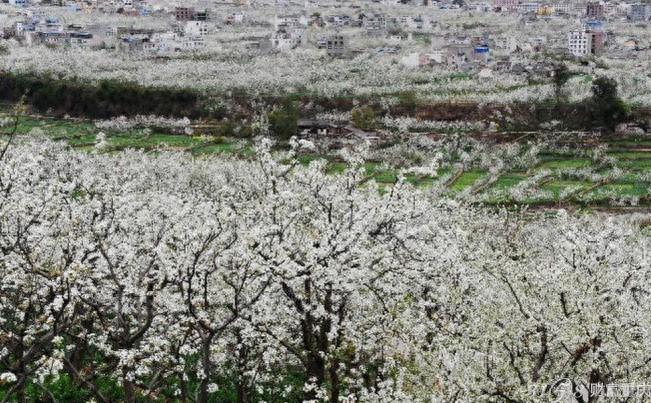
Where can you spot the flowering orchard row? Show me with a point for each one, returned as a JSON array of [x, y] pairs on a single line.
[[173, 278]]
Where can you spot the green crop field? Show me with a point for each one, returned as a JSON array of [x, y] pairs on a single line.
[[631, 156]]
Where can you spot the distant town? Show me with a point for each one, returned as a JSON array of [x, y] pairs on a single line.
[[588, 29]]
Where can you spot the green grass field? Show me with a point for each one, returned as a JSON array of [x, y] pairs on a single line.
[[633, 156]]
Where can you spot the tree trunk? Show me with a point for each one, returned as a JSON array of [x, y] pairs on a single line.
[[23, 372], [242, 381], [242, 391], [207, 369], [334, 382], [315, 370], [129, 388]]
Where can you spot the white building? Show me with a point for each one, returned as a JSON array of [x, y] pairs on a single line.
[[290, 21], [420, 59], [375, 22], [506, 43], [193, 43], [579, 43], [196, 29], [163, 42], [235, 18], [563, 8]]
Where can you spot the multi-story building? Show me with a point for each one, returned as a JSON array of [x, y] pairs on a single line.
[[201, 15], [640, 12], [505, 5], [598, 42], [184, 13], [193, 43], [190, 14], [335, 45], [545, 10], [196, 29], [290, 21], [579, 43], [562, 7], [527, 7], [339, 20], [595, 10], [375, 23], [586, 42]]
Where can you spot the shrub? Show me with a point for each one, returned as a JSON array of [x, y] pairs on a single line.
[[283, 120], [364, 118], [561, 75], [607, 109], [408, 101]]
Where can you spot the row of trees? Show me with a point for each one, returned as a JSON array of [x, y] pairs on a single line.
[[107, 99], [603, 110], [103, 100], [139, 278]]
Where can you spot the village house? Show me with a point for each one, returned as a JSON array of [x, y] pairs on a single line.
[[288, 38], [436, 56], [411, 22], [454, 39], [161, 43], [396, 36], [190, 14], [195, 29], [506, 43], [258, 42], [192, 43], [579, 42], [335, 45], [640, 12], [630, 45], [537, 43], [49, 31], [505, 5], [563, 8], [390, 50], [290, 21], [502, 64], [527, 7], [19, 3], [416, 59], [375, 24], [546, 10], [595, 10], [457, 54], [482, 55], [316, 20], [234, 18], [338, 20], [585, 42], [321, 128], [184, 13], [482, 7]]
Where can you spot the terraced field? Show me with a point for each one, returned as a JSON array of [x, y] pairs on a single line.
[[628, 178]]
